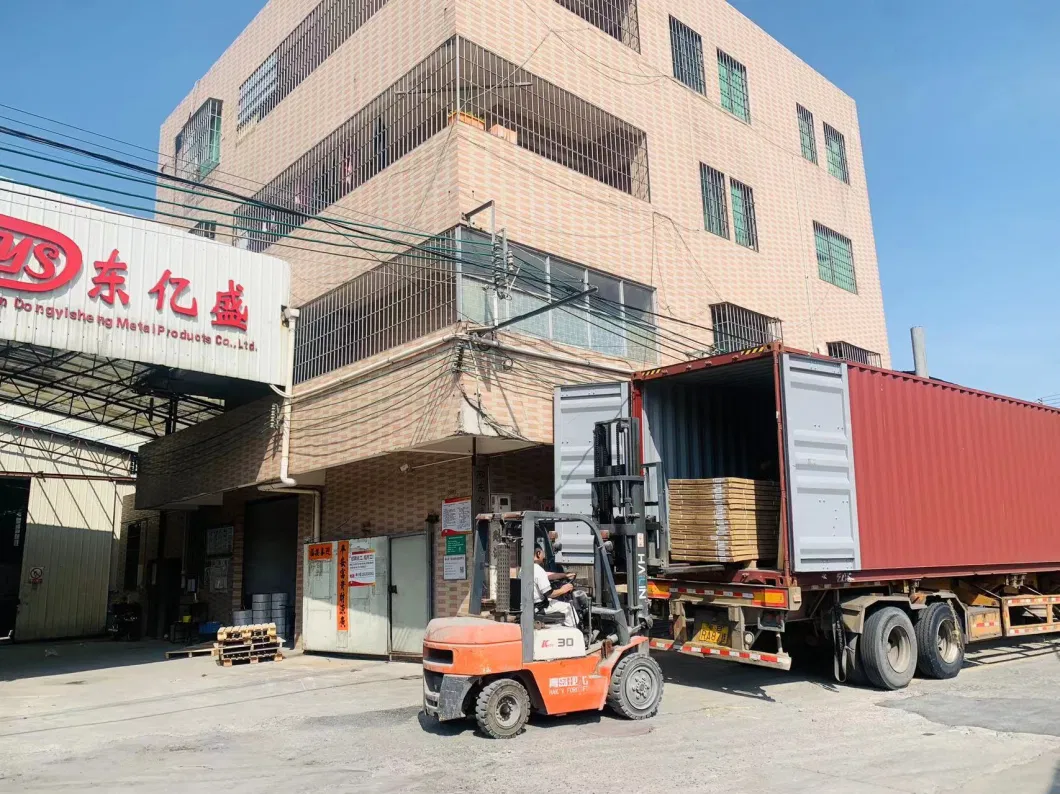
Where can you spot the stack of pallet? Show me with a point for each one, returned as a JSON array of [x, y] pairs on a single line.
[[725, 519], [252, 644]]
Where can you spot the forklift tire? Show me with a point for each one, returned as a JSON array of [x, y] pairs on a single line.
[[502, 708], [888, 648], [940, 646], [636, 687]]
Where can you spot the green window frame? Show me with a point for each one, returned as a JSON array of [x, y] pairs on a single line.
[[835, 258], [744, 226], [806, 134], [732, 78], [836, 150], [715, 208], [686, 50]]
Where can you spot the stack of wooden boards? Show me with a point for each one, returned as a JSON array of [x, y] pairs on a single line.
[[725, 519], [250, 644]]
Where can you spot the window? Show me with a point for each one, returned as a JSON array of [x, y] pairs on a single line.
[[616, 18], [745, 229], [715, 211], [806, 134], [835, 258], [317, 36], [133, 533], [197, 150], [733, 79], [207, 229], [851, 352], [737, 328], [686, 48], [836, 150], [531, 114]]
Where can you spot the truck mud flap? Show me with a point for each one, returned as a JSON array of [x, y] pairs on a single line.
[[777, 661]]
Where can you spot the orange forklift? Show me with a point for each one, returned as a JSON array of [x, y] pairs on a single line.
[[511, 655]]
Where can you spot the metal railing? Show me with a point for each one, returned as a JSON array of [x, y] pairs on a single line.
[[616, 18], [850, 352], [737, 328]]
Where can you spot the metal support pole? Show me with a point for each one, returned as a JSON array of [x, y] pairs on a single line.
[[920, 365]]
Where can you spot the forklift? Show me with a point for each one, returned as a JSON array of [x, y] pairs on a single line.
[[510, 656]]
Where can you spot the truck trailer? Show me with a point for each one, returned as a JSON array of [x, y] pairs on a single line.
[[915, 516]]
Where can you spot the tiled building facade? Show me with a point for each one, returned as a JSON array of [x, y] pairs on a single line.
[[708, 183]]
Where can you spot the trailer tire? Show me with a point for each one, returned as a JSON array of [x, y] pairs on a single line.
[[502, 708], [888, 648], [940, 645], [636, 687], [856, 667]]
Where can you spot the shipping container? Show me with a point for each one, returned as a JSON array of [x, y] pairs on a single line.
[[907, 507]]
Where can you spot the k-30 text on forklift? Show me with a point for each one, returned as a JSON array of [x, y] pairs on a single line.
[[517, 651]]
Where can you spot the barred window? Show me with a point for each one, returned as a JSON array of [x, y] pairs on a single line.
[[836, 149], [207, 229], [850, 352], [835, 258], [492, 94], [715, 209], [744, 225], [616, 18], [732, 77], [686, 49], [197, 149], [317, 36], [806, 134], [737, 328]]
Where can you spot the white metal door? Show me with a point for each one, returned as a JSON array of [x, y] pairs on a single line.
[[369, 580], [408, 596], [319, 620], [575, 412], [820, 453]]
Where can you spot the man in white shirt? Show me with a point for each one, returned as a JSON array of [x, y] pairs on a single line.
[[544, 594]]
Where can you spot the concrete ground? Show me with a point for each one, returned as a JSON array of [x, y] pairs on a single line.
[[113, 717]]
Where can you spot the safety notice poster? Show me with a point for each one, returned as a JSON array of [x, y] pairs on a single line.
[[362, 567], [456, 515]]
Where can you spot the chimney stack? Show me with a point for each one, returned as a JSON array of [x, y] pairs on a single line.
[[920, 365]]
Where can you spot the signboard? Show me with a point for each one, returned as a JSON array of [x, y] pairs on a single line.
[[219, 540], [216, 574], [342, 606], [455, 544], [36, 574], [456, 515], [76, 277], [362, 567], [454, 567], [318, 552]]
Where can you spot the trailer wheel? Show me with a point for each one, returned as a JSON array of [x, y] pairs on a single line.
[[636, 687], [940, 646], [502, 708], [888, 648]]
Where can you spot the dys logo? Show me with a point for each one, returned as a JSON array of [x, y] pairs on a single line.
[[35, 258]]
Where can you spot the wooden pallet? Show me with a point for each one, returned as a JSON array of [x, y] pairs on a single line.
[[724, 519], [228, 662], [202, 649], [241, 632]]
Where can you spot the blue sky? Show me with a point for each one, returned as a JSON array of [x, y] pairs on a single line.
[[959, 111]]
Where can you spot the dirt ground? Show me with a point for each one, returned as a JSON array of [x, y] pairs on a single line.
[[113, 717]]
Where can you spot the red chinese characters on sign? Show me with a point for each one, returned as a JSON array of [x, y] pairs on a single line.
[[342, 615], [179, 285], [56, 258], [229, 309], [109, 280]]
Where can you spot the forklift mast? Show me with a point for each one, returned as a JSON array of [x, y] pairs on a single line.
[[618, 508]]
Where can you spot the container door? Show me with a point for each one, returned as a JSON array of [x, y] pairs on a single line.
[[409, 581], [369, 596], [575, 411], [823, 512], [320, 627]]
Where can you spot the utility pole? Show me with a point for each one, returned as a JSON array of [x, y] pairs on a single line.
[[502, 263]]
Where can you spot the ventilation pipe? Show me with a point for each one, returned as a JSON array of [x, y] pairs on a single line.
[[920, 365]]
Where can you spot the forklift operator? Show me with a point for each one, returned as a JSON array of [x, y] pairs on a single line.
[[544, 594]]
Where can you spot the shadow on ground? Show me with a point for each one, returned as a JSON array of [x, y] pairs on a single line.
[[33, 659]]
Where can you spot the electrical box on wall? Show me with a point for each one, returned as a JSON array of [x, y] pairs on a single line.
[[500, 502]]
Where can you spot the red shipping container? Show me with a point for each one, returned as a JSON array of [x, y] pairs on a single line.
[[950, 479]]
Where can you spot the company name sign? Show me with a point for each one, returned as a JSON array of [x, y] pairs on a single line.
[[76, 277]]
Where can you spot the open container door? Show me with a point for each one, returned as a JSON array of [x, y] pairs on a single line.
[[575, 412], [822, 498]]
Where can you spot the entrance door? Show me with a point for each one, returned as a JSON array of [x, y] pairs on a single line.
[[319, 620], [270, 554], [369, 581], [14, 499], [408, 593]]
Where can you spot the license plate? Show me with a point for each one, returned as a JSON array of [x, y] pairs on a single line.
[[712, 634]]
